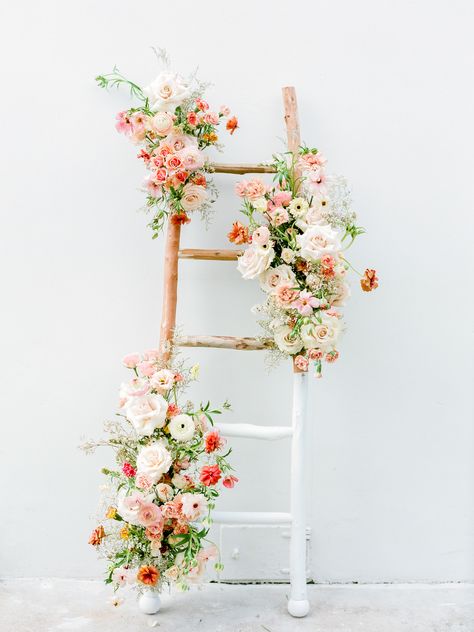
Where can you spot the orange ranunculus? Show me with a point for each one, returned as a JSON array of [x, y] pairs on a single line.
[[97, 536], [369, 281], [232, 124], [148, 575], [239, 234]]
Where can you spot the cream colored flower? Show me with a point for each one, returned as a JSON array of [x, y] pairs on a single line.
[[288, 255], [194, 196], [164, 492], [322, 335], [298, 207], [260, 204], [271, 279], [154, 460], [162, 123], [254, 261], [182, 427], [162, 380], [317, 241], [146, 413], [166, 92], [285, 342]]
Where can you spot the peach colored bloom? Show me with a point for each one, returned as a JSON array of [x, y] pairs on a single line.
[[97, 536], [369, 281], [261, 236], [211, 118], [131, 360], [285, 294], [332, 356], [142, 481], [239, 234], [232, 124], [224, 110], [192, 119], [305, 303], [149, 514], [148, 575], [146, 368], [301, 363], [230, 481], [315, 354], [278, 215]]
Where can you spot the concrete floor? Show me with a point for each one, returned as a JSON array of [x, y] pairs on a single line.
[[44, 605]]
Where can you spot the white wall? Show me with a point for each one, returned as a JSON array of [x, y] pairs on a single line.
[[385, 90]]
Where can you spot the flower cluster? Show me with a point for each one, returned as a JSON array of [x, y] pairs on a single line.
[[159, 497], [173, 125], [297, 232]]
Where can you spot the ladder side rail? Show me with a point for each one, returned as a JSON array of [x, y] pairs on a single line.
[[252, 431]]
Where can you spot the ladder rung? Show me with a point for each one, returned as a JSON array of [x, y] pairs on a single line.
[[209, 255], [225, 342], [251, 517], [242, 168], [252, 431]]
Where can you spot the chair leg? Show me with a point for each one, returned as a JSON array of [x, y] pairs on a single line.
[[298, 605]]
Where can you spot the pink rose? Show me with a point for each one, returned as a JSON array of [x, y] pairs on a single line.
[[211, 118], [282, 198], [146, 368], [173, 162], [149, 514], [131, 360]]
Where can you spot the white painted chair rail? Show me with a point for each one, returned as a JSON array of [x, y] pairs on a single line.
[[252, 431]]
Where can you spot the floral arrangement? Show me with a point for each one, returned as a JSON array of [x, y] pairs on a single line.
[[173, 125], [298, 231], [170, 462]]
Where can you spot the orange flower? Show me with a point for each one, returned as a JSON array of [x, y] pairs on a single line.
[[148, 575], [232, 124], [180, 218], [369, 281], [239, 234], [97, 536], [210, 138]]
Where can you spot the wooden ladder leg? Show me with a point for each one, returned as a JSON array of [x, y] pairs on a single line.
[[298, 605], [170, 290]]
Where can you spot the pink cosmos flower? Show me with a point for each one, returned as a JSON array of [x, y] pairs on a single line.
[[305, 303], [124, 124], [131, 360], [317, 181]]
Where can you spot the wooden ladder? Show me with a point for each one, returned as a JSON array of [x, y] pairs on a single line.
[[298, 605]]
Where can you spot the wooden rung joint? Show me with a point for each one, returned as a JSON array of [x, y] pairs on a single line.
[[241, 169], [225, 342], [209, 255]]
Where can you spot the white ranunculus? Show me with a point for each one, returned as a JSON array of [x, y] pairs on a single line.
[[154, 460], [341, 293], [271, 279], [194, 197], [317, 241], [166, 92], [182, 427], [254, 261], [284, 342], [322, 335], [146, 413]]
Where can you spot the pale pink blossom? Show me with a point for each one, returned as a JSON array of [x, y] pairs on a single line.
[[131, 360], [193, 506], [301, 363], [191, 158], [286, 294], [261, 236], [211, 118], [146, 368], [281, 198], [142, 481], [312, 161], [317, 181], [305, 303], [224, 110], [124, 124], [251, 189], [153, 187], [149, 514], [163, 380], [278, 215]]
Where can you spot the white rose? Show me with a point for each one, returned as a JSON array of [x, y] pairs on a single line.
[[194, 197], [288, 255], [182, 427], [313, 216], [162, 380], [179, 481], [271, 279], [254, 261], [284, 342], [317, 241], [341, 293], [322, 335], [136, 387], [166, 92], [146, 413], [162, 123], [154, 460]]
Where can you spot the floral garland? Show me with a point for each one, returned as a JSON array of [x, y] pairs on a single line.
[[158, 500], [174, 126], [298, 231]]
